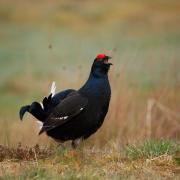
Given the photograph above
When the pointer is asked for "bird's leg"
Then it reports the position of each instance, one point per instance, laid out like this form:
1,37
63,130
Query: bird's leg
76,143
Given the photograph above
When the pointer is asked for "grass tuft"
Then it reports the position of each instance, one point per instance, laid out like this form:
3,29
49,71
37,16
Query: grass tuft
151,149
35,173
21,153
29,173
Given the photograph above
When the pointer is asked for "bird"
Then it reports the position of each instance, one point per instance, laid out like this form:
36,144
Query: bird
75,114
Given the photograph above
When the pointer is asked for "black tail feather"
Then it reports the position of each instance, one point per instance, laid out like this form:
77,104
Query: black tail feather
47,103
35,109
23,110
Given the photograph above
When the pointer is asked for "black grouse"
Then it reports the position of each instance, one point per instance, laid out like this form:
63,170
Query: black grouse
75,114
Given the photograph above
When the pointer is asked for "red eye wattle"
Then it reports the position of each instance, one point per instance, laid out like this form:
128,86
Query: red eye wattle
100,56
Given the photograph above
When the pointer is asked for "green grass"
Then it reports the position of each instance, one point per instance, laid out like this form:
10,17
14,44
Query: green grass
35,173
30,173
151,149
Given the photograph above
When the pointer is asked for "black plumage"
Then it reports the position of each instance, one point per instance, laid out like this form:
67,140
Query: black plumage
76,114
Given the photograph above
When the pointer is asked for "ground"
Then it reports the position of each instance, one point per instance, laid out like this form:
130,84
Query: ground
153,159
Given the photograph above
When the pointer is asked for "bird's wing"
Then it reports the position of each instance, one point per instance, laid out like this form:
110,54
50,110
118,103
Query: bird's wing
61,95
53,100
68,108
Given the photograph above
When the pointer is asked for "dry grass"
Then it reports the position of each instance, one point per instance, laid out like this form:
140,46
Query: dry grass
126,120
109,162
82,15
25,154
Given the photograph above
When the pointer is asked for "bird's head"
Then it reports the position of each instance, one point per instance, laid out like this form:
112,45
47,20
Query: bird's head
101,64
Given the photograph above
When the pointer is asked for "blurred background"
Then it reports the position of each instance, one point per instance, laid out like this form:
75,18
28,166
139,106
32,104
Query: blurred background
49,40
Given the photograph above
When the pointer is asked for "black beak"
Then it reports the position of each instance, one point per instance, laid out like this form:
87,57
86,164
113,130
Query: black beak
108,57
106,61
